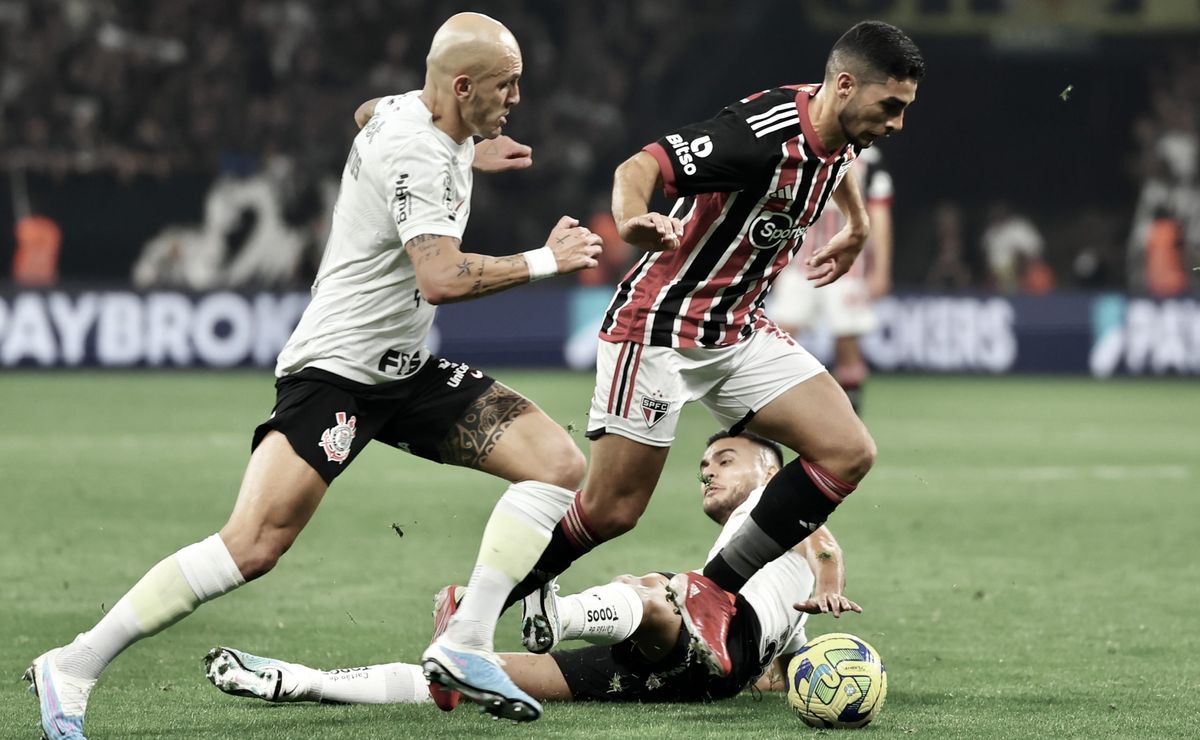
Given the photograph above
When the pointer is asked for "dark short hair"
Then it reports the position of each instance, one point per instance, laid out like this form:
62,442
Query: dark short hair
876,47
758,439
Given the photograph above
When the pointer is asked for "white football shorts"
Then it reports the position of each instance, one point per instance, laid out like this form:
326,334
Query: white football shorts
641,389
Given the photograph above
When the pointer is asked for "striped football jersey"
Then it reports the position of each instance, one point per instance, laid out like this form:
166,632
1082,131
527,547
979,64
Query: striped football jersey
748,183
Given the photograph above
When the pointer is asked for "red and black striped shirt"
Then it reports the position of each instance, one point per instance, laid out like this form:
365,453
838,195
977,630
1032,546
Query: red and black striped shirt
749,183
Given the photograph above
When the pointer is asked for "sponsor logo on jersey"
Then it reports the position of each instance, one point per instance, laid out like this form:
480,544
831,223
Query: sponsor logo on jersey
461,369
686,153
654,409
372,128
772,228
787,192
337,439
403,363
403,205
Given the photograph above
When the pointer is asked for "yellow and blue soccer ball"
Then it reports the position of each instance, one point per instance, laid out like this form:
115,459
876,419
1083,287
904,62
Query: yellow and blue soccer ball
836,681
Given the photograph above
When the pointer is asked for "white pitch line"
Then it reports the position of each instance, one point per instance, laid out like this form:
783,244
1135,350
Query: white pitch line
1039,473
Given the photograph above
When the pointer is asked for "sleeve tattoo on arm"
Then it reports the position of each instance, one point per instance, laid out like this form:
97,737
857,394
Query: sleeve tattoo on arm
425,247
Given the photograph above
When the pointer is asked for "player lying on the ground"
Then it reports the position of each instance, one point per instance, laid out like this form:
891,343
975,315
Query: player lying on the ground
639,648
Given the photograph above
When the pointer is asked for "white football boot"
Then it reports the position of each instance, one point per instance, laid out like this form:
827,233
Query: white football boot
541,626
242,674
62,699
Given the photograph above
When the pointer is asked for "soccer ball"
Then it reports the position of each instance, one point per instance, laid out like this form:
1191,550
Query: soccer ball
836,681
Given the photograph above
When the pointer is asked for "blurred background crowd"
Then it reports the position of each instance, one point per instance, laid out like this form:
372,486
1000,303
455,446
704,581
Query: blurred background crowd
198,143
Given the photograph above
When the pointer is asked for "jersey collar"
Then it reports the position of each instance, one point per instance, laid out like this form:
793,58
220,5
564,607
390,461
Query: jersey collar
803,96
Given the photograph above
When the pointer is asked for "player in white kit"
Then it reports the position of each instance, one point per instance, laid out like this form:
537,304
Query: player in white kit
639,649
356,369
844,307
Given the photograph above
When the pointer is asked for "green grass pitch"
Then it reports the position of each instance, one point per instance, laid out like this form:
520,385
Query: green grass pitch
1025,550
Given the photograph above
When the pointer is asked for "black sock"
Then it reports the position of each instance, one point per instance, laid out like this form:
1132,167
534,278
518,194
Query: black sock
795,502
571,539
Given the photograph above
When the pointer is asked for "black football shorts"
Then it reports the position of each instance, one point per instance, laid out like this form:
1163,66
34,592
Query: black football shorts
621,673
329,419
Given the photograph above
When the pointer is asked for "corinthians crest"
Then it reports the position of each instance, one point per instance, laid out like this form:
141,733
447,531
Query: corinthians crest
337,439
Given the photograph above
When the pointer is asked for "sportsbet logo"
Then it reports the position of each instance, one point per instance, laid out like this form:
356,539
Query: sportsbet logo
772,228
687,154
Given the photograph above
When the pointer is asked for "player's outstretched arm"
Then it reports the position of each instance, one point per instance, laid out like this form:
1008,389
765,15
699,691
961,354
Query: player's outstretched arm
633,184
834,259
824,557
445,274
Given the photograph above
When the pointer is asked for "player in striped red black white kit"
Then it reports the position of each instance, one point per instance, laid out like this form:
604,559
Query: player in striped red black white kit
687,324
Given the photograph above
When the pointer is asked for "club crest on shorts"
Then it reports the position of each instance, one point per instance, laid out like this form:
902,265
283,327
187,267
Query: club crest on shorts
654,409
336,440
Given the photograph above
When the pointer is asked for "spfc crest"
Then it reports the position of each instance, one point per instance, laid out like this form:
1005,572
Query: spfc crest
337,439
654,409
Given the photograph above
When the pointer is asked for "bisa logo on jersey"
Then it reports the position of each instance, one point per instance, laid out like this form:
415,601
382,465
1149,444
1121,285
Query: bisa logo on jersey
688,152
772,228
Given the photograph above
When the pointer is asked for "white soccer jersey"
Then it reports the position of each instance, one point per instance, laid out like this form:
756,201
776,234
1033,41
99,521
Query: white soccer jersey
404,177
772,590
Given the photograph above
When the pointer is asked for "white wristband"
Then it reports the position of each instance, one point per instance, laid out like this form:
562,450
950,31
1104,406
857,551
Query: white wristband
542,263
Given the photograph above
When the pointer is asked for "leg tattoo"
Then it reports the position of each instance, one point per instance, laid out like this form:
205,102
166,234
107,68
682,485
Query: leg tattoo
475,434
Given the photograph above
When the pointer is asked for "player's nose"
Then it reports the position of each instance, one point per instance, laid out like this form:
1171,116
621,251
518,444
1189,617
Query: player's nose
515,97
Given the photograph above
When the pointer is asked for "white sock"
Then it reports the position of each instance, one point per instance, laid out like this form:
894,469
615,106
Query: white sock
391,683
601,615
513,540
168,592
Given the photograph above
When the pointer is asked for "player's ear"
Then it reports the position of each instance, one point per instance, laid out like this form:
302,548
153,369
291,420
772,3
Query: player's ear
461,86
844,84
769,473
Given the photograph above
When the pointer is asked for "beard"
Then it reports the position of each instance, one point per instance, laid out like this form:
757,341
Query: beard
847,120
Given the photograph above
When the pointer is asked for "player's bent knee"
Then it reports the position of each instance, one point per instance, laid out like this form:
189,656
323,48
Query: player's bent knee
860,458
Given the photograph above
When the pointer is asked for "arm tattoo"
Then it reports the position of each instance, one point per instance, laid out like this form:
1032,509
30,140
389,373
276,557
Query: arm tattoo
477,432
426,247
464,267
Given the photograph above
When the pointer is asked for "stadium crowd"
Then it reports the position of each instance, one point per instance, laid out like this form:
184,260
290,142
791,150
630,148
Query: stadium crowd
222,87
1165,236
257,96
